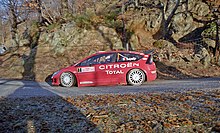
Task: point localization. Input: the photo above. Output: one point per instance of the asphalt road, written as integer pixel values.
(26, 89)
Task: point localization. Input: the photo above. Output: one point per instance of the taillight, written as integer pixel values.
(150, 59)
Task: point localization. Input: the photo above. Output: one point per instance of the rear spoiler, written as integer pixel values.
(149, 51)
(150, 59)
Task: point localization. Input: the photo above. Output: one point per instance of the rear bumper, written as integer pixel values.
(152, 75)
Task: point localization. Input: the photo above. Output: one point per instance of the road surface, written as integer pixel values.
(26, 89)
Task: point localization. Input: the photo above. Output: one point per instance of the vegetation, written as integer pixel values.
(83, 20)
(32, 20)
(211, 30)
(25, 21)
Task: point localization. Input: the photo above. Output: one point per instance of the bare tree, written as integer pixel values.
(165, 28)
(64, 7)
(14, 8)
(3, 26)
(214, 6)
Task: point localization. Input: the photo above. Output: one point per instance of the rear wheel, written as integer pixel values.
(135, 77)
(67, 79)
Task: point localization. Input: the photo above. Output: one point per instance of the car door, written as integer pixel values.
(105, 69)
(86, 72)
(94, 70)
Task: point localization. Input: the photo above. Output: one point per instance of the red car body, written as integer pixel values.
(108, 68)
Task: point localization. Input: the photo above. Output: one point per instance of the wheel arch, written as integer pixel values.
(145, 73)
(74, 75)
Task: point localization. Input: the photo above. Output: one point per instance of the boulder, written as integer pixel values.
(202, 55)
(167, 51)
(210, 43)
(182, 25)
(110, 36)
(24, 42)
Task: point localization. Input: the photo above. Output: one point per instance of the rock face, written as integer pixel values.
(182, 57)
(71, 37)
(203, 55)
(181, 25)
(167, 50)
(142, 23)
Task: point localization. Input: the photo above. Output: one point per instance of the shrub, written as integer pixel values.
(210, 31)
(83, 20)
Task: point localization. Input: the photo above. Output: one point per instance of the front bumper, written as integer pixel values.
(55, 78)
(55, 81)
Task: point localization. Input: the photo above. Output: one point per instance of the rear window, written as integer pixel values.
(125, 57)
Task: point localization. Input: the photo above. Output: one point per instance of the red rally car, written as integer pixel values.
(108, 68)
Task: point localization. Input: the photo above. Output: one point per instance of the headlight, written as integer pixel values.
(55, 73)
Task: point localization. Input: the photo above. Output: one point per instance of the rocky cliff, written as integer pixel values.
(109, 27)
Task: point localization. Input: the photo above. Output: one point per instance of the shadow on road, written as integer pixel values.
(26, 110)
(29, 107)
(169, 72)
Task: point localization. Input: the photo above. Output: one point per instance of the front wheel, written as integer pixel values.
(67, 79)
(135, 77)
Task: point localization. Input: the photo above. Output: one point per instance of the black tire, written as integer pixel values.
(67, 79)
(136, 77)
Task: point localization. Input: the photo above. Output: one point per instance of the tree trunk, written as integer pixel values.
(39, 12)
(163, 32)
(14, 23)
(216, 49)
(64, 7)
(3, 30)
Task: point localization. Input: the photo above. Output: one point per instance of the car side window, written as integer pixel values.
(124, 57)
(99, 59)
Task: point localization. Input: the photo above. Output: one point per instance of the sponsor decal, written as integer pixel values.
(123, 65)
(131, 59)
(86, 69)
(114, 72)
(86, 82)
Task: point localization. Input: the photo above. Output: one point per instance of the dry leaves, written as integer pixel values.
(189, 111)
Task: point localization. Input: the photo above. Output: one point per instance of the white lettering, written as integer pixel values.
(110, 66)
(129, 64)
(116, 66)
(114, 72)
(119, 72)
(102, 67)
(135, 64)
(124, 65)
(131, 59)
(110, 72)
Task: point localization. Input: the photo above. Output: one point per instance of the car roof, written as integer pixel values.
(106, 52)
